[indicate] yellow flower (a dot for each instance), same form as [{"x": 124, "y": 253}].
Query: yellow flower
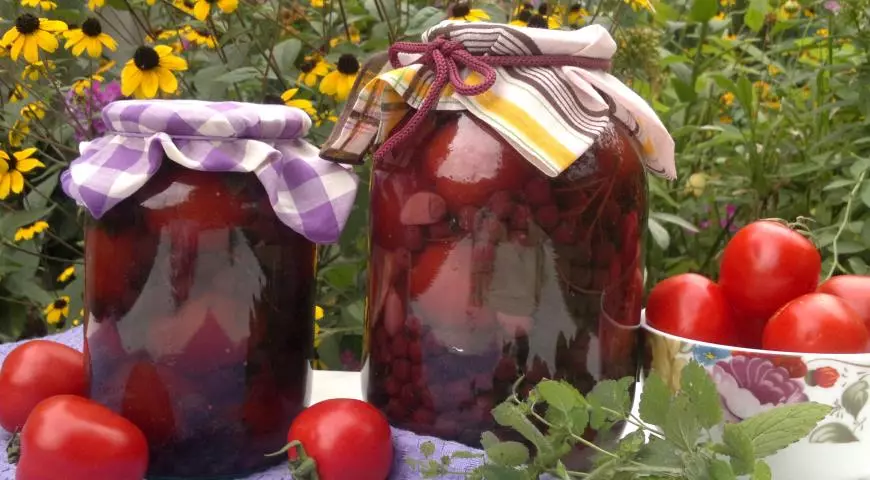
[
  {"x": 76, "y": 322},
  {"x": 13, "y": 168},
  {"x": 33, "y": 111},
  {"x": 727, "y": 98},
  {"x": 638, "y": 5},
  {"x": 354, "y": 37},
  {"x": 729, "y": 37},
  {"x": 18, "y": 93},
  {"x": 4, "y": 52},
  {"x": 203, "y": 7},
  {"x": 66, "y": 274},
  {"x": 185, "y": 6},
  {"x": 809, "y": 13},
  {"x": 774, "y": 104},
  {"x": 90, "y": 37},
  {"x": 696, "y": 184},
  {"x": 822, "y": 32},
  {"x": 150, "y": 70},
  {"x": 27, "y": 233},
  {"x": 339, "y": 83},
  {"x": 33, "y": 71},
  {"x": 721, "y": 16},
  {"x": 161, "y": 34},
  {"x": 773, "y": 70},
  {"x": 727, "y": 3},
  {"x": 43, "y": 4},
  {"x": 82, "y": 85},
  {"x": 18, "y": 133},
  {"x": 95, "y": 4},
  {"x": 577, "y": 15},
  {"x": 463, "y": 11},
  {"x": 327, "y": 116},
  {"x": 726, "y": 119},
  {"x": 57, "y": 310},
  {"x": 300, "y": 103},
  {"x": 311, "y": 69},
  {"x": 318, "y": 315},
  {"x": 317, "y": 3},
  {"x": 30, "y": 34},
  {"x": 197, "y": 37}
]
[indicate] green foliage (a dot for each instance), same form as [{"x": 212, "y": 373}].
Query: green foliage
[{"x": 681, "y": 448}]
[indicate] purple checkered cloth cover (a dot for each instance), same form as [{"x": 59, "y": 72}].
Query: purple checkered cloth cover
[
  {"x": 406, "y": 444},
  {"x": 310, "y": 195}
]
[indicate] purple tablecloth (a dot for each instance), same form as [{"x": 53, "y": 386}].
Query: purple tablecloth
[{"x": 406, "y": 443}]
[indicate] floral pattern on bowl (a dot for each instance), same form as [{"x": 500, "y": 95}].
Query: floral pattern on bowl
[{"x": 753, "y": 381}]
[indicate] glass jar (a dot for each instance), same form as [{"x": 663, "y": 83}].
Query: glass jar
[
  {"x": 199, "y": 303},
  {"x": 484, "y": 269}
]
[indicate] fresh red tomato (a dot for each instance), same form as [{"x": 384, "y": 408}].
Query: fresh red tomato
[
  {"x": 765, "y": 266},
  {"x": 349, "y": 439},
  {"x": 691, "y": 306},
  {"x": 34, "y": 371},
  {"x": 854, "y": 290},
  {"x": 74, "y": 438},
  {"x": 816, "y": 323},
  {"x": 468, "y": 162}
]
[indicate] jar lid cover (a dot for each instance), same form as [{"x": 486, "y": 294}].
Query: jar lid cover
[
  {"x": 310, "y": 195},
  {"x": 546, "y": 92}
]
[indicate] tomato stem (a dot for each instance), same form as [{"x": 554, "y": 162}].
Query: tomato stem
[{"x": 13, "y": 449}]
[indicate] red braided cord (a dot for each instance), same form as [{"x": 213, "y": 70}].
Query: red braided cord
[{"x": 444, "y": 56}]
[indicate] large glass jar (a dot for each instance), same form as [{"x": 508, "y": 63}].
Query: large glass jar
[
  {"x": 200, "y": 304},
  {"x": 484, "y": 269}
]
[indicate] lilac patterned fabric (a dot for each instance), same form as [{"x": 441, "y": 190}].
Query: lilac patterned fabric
[
  {"x": 406, "y": 444},
  {"x": 310, "y": 195}
]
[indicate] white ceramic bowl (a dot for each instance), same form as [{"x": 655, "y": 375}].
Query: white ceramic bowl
[{"x": 752, "y": 381}]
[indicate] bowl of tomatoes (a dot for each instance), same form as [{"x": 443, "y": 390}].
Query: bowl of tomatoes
[{"x": 769, "y": 332}]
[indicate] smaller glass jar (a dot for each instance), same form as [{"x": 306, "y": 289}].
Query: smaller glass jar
[
  {"x": 199, "y": 327},
  {"x": 200, "y": 265}
]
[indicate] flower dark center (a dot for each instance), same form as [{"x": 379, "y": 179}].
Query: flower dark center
[
  {"x": 27, "y": 24},
  {"x": 527, "y": 6},
  {"x": 59, "y": 304},
  {"x": 348, "y": 64},
  {"x": 92, "y": 28},
  {"x": 575, "y": 8},
  {"x": 461, "y": 10},
  {"x": 524, "y": 16},
  {"x": 273, "y": 100},
  {"x": 13, "y": 163},
  {"x": 307, "y": 66},
  {"x": 538, "y": 21},
  {"x": 211, "y": 1},
  {"x": 146, "y": 58},
  {"x": 543, "y": 9}
]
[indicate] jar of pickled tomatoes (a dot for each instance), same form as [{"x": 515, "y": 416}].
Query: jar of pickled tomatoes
[
  {"x": 508, "y": 210},
  {"x": 199, "y": 275}
]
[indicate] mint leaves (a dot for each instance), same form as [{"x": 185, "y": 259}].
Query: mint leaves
[{"x": 682, "y": 445}]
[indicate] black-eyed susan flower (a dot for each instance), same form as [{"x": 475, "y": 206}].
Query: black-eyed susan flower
[
  {"x": 312, "y": 69},
  {"x": 318, "y": 315},
  {"x": 553, "y": 17},
  {"x": 30, "y": 34},
  {"x": 67, "y": 273},
  {"x": 33, "y": 111},
  {"x": 89, "y": 37},
  {"x": 538, "y": 21},
  {"x": 43, "y": 4},
  {"x": 163, "y": 34},
  {"x": 300, "y": 103},
  {"x": 12, "y": 170},
  {"x": 577, "y": 15},
  {"x": 151, "y": 70},
  {"x": 95, "y": 4},
  {"x": 57, "y": 310},
  {"x": 28, "y": 232},
  {"x": 521, "y": 19},
  {"x": 317, "y": 3},
  {"x": 727, "y": 99},
  {"x": 355, "y": 37},
  {"x": 18, "y": 133},
  {"x": 339, "y": 82},
  {"x": 185, "y": 6},
  {"x": 638, "y": 5},
  {"x": 33, "y": 71},
  {"x": 463, "y": 11},
  {"x": 198, "y": 37},
  {"x": 522, "y": 7},
  {"x": 202, "y": 8},
  {"x": 18, "y": 93},
  {"x": 325, "y": 117}
]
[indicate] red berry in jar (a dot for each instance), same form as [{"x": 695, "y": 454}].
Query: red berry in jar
[
  {"x": 468, "y": 164},
  {"x": 391, "y": 189}
]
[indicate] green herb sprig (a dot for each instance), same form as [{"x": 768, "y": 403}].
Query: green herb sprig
[{"x": 674, "y": 437}]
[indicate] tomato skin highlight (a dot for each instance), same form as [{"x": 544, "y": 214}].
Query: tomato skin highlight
[
  {"x": 691, "y": 306},
  {"x": 349, "y": 439},
  {"x": 74, "y": 438},
  {"x": 34, "y": 371},
  {"x": 854, "y": 290},
  {"x": 765, "y": 266},
  {"x": 816, "y": 323}
]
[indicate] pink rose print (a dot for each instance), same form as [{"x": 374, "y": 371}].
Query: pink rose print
[{"x": 751, "y": 385}]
